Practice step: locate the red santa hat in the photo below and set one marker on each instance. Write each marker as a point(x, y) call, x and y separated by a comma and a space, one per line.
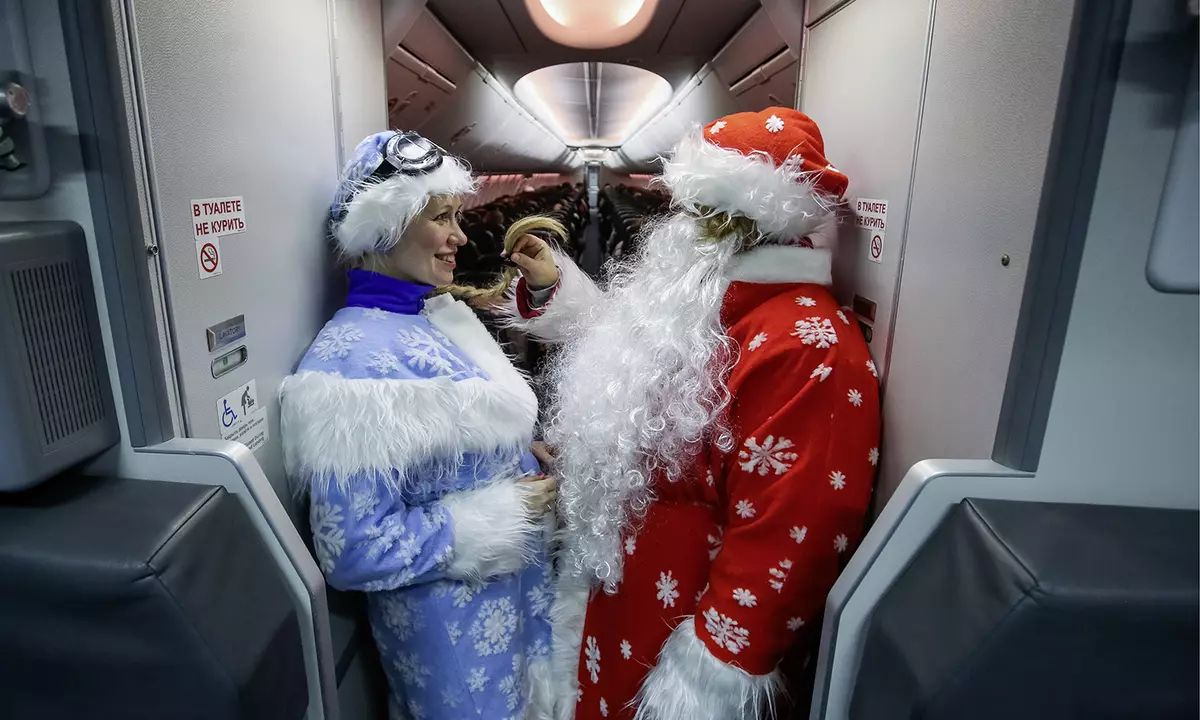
point(768, 166)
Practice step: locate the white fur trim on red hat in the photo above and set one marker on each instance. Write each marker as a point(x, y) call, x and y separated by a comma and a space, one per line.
point(379, 213)
point(780, 199)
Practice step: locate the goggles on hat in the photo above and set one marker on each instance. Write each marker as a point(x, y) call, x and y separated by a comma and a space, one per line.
point(408, 153)
point(405, 153)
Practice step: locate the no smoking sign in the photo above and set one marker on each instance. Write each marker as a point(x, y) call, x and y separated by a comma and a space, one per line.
point(871, 215)
point(212, 218)
point(208, 257)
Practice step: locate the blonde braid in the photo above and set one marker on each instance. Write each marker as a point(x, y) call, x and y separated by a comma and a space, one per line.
point(494, 294)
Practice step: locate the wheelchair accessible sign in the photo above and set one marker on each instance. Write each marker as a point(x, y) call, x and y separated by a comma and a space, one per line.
point(241, 417)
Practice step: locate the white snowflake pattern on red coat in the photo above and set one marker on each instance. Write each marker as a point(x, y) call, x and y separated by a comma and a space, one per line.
point(837, 480)
point(795, 623)
point(744, 597)
point(626, 649)
point(780, 574)
point(855, 398)
point(757, 341)
point(770, 455)
point(821, 371)
point(745, 509)
point(592, 652)
point(842, 316)
point(666, 588)
point(630, 545)
point(603, 707)
point(803, 301)
point(798, 533)
point(840, 543)
point(816, 331)
point(725, 631)
point(873, 456)
point(871, 367)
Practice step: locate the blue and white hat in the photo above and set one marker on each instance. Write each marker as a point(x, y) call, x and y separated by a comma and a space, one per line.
point(386, 184)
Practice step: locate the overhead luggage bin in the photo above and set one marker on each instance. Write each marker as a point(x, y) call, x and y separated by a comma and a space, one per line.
point(138, 599)
point(1040, 610)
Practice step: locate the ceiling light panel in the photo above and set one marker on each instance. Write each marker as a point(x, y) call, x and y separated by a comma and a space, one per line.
point(593, 104)
point(591, 24)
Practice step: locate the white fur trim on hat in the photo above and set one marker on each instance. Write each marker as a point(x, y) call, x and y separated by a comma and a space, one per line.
point(780, 199)
point(379, 213)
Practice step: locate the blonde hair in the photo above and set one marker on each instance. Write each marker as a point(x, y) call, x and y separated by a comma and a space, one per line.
point(494, 294)
point(716, 226)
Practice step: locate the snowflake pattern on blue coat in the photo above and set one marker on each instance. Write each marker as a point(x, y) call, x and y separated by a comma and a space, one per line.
point(451, 649)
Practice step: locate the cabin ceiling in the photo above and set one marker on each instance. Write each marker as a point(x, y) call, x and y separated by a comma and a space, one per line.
point(581, 97)
point(681, 37)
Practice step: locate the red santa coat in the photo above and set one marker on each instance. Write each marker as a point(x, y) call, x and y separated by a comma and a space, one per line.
point(740, 553)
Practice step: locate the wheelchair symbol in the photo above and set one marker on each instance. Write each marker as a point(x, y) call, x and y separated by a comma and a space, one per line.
point(228, 416)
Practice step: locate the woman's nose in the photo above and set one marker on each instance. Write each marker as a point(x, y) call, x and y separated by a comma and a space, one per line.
point(458, 237)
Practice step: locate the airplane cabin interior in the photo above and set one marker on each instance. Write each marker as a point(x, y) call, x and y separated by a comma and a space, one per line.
point(1017, 246)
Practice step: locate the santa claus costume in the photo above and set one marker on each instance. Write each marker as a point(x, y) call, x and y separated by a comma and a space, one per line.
point(716, 416)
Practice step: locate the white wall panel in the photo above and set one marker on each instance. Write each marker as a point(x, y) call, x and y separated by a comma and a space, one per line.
point(863, 80)
point(361, 84)
point(990, 103)
point(1124, 418)
point(223, 115)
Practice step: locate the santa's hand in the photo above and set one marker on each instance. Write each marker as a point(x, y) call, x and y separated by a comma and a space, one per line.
point(533, 258)
point(540, 493)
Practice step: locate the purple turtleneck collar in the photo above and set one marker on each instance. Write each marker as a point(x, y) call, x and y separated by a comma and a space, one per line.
point(372, 290)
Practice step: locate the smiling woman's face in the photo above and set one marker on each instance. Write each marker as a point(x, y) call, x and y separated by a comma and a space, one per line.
point(425, 253)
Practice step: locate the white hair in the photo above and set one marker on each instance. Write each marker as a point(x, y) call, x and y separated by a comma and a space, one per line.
point(641, 390)
point(378, 213)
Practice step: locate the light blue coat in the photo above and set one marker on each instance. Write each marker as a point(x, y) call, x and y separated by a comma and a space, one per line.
point(410, 432)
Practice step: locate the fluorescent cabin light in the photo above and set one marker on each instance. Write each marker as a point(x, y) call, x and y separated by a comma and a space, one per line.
point(625, 99)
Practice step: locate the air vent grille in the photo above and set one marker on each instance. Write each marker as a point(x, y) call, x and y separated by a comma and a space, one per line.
point(53, 319)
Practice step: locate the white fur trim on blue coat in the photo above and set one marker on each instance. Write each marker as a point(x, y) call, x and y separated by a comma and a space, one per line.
point(494, 531)
point(336, 428)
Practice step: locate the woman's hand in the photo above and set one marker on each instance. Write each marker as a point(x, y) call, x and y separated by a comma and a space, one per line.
point(545, 454)
point(541, 493)
point(531, 255)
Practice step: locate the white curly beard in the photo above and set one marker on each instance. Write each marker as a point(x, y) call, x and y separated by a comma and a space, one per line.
point(638, 392)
